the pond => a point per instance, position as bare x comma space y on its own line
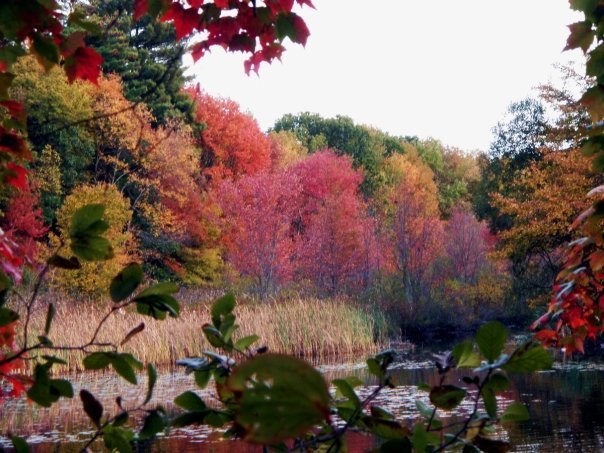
566, 407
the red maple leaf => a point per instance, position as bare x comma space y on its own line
83, 64
185, 20
300, 28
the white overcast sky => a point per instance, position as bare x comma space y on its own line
446, 69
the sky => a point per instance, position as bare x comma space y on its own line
440, 68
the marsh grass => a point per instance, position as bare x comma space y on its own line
313, 328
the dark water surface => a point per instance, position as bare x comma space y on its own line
566, 407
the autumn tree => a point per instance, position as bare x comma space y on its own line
23, 222
333, 248
95, 276
258, 211
286, 149
416, 231
551, 193
56, 111
468, 243
232, 143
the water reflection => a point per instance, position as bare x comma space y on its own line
566, 407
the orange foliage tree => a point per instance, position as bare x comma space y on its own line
232, 143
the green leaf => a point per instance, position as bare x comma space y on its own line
380, 412
190, 401
117, 438
61, 387
424, 409
490, 402
498, 382
97, 360
421, 438
465, 356
154, 423
64, 263
80, 19
7, 316
151, 380
46, 51
346, 390
285, 28
42, 391
213, 336
374, 367
243, 343
159, 289
124, 364
222, 307
92, 407
189, 418
592, 146
216, 419
19, 444
447, 396
491, 338
50, 314
5, 284
202, 378
92, 248
528, 358
126, 282
121, 419
595, 62
515, 412
286, 398
84, 218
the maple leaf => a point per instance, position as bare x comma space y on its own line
83, 64
16, 176
242, 43
185, 20
222, 4
72, 43
301, 30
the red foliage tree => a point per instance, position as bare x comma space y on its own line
23, 222
335, 245
257, 226
468, 242
232, 143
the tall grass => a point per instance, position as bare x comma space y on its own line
315, 328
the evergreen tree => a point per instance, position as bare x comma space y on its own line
145, 54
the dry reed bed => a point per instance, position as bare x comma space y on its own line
305, 327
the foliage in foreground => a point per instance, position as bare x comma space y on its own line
266, 398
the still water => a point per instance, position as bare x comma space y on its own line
566, 407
